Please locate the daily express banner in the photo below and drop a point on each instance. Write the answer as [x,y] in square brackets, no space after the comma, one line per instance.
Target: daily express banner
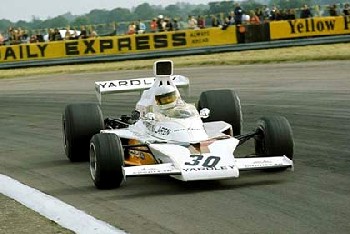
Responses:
[119,44]
[317,26]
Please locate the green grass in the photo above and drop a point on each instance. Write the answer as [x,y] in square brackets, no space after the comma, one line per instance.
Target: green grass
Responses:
[290,54]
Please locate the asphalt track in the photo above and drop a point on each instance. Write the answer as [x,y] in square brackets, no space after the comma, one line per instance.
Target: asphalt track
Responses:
[315,97]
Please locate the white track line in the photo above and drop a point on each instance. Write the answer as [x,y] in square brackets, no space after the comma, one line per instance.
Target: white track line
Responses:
[65,215]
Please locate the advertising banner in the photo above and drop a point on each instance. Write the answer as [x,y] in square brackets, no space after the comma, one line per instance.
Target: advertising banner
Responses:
[317,26]
[119,44]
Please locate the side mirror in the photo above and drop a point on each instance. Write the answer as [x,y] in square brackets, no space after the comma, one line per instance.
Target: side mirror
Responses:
[135,115]
[204,113]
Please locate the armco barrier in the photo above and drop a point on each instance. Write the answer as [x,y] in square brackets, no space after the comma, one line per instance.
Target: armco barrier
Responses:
[181,52]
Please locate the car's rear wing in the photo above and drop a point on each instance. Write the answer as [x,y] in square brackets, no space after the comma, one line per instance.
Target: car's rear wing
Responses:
[138,84]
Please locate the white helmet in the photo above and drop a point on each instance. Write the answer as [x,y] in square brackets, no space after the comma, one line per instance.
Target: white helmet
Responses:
[166,96]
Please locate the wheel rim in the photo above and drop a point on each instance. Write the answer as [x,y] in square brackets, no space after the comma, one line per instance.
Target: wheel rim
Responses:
[93,164]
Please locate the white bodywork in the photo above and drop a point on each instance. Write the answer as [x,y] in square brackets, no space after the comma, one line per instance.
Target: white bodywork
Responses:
[182,145]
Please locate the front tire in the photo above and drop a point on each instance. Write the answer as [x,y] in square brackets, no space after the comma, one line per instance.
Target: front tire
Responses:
[80,122]
[106,160]
[274,137]
[224,105]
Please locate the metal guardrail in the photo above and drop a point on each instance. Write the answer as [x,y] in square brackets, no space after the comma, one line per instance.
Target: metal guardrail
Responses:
[180,52]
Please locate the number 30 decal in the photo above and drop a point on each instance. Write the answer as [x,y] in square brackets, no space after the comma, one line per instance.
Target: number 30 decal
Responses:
[211,161]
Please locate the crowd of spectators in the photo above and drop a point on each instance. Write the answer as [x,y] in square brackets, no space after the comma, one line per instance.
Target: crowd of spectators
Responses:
[17,36]
[237,16]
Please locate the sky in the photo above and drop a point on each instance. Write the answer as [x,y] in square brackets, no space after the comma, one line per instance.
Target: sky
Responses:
[15,10]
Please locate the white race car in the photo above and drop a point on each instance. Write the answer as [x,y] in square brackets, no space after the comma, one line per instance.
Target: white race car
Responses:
[167,136]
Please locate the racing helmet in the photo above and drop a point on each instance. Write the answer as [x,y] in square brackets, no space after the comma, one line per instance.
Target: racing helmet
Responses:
[166,96]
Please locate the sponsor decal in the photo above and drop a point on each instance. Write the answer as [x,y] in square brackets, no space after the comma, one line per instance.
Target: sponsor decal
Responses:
[200,36]
[217,168]
[262,163]
[125,83]
[145,171]
[161,130]
[196,160]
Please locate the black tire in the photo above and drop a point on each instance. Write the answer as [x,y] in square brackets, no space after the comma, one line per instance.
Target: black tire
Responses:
[274,137]
[80,122]
[224,105]
[106,160]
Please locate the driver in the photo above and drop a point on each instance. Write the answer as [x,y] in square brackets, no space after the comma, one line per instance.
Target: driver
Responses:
[169,103]
[166,97]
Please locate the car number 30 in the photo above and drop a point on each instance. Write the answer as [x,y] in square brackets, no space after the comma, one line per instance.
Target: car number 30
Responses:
[211,161]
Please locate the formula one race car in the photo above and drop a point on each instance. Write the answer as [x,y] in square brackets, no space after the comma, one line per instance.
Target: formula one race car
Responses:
[167,136]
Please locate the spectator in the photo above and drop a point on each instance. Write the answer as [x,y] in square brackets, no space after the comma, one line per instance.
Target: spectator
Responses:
[160,23]
[245,19]
[67,35]
[200,22]
[2,39]
[290,15]
[75,34]
[153,25]
[176,25]
[16,37]
[215,22]
[273,13]
[238,13]
[51,35]
[141,27]
[317,10]
[333,10]
[83,33]
[231,17]
[33,39]
[254,19]
[346,10]
[260,14]
[131,28]
[168,24]
[192,22]
[57,35]
[226,23]
[305,12]
[266,12]
[93,34]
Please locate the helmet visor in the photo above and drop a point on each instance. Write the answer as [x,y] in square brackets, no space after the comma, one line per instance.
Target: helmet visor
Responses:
[165,99]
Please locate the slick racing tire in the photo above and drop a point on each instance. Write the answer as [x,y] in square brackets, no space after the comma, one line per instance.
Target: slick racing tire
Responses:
[80,122]
[274,137]
[106,160]
[224,105]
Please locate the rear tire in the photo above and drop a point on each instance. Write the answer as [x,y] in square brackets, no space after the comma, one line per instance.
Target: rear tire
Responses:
[274,137]
[106,161]
[80,122]
[224,105]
